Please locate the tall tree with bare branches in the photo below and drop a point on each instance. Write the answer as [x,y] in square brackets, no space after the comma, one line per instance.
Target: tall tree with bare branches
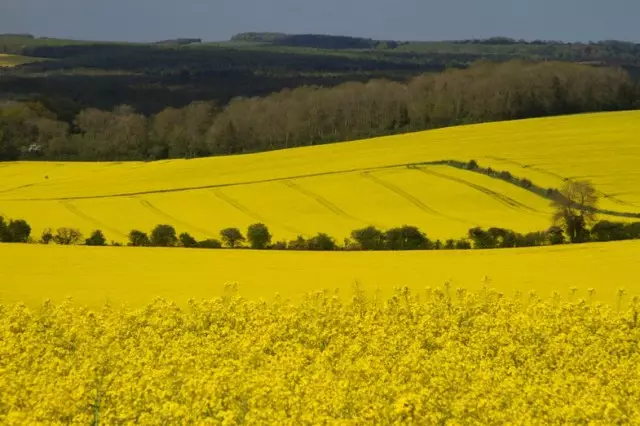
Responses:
[575,209]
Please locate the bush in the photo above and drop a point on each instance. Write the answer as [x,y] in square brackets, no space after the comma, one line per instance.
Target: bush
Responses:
[610,231]
[449,244]
[47,236]
[67,236]
[164,236]
[298,244]
[187,241]
[633,230]
[279,245]
[555,235]
[504,175]
[462,244]
[481,238]
[258,236]
[406,238]
[532,239]
[472,165]
[321,242]
[502,238]
[139,239]
[232,237]
[96,239]
[210,243]
[369,238]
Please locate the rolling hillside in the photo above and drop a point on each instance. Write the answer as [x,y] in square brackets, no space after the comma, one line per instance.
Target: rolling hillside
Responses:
[336,188]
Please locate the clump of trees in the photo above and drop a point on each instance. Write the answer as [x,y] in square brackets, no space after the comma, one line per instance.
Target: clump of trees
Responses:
[312,115]
[14,231]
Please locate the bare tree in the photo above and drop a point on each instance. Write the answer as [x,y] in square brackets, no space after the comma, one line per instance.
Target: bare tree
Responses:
[575,209]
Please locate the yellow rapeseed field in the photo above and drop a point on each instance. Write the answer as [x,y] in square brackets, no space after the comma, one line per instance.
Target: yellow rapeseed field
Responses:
[443,356]
[7,60]
[339,187]
[135,275]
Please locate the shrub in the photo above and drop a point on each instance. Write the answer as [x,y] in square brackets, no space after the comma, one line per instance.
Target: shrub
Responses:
[258,236]
[481,238]
[298,244]
[321,242]
[67,236]
[472,165]
[232,237]
[369,238]
[47,236]
[187,241]
[633,230]
[278,245]
[555,235]
[210,243]
[532,239]
[96,239]
[449,245]
[462,244]
[502,238]
[504,175]
[164,236]
[139,239]
[609,231]
[406,238]
[526,183]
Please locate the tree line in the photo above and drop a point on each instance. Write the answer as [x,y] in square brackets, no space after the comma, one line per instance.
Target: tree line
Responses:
[370,238]
[312,115]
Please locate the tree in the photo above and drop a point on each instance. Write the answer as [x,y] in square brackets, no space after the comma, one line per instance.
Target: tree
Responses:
[321,242]
[369,238]
[96,239]
[164,236]
[406,238]
[67,236]
[232,237]
[258,236]
[575,209]
[186,240]
[139,239]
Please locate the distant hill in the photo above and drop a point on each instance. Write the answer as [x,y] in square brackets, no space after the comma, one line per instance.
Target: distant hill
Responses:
[318,41]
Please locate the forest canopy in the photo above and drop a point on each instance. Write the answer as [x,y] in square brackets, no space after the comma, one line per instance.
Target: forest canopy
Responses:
[312,115]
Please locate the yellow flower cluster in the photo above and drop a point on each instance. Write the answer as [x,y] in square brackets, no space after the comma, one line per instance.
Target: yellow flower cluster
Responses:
[438,357]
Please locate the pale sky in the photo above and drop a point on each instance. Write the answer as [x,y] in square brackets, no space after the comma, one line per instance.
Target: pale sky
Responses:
[212,20]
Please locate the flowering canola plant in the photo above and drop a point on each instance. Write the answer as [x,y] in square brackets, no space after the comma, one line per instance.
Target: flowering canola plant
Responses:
[435,357]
